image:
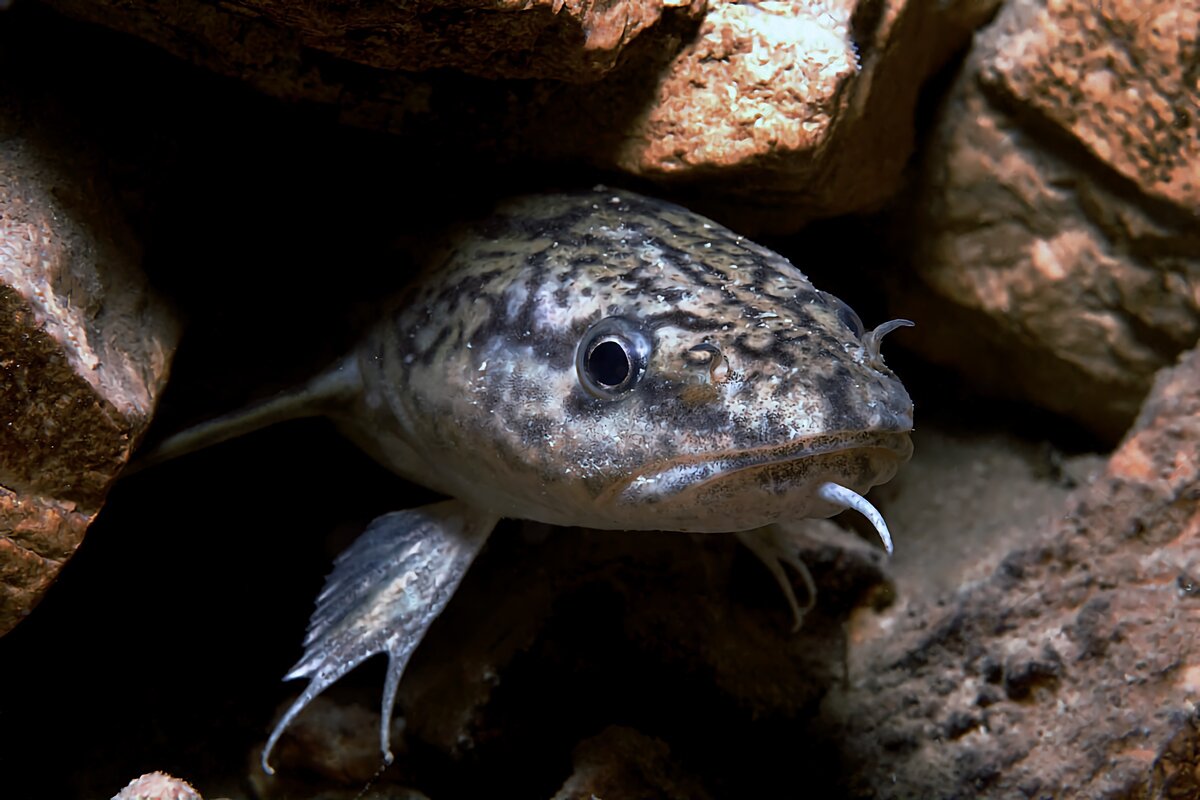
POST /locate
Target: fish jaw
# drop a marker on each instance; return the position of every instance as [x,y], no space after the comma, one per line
[748,489]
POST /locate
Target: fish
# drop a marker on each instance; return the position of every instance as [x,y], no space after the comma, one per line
[598,359]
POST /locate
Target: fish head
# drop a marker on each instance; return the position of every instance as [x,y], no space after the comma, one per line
[730,390]
[740,426]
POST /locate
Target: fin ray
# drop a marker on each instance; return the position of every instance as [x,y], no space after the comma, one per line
[385,591]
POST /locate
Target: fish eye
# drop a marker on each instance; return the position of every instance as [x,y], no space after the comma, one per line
[608,363]
[611,357]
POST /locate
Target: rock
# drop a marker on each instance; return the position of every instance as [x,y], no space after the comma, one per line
[621,762]
[576,41]
[337,742]
[1057,249]
[84,345]
[1116,77]
[1072,670]
[780,111]
[158,786]
[792,110]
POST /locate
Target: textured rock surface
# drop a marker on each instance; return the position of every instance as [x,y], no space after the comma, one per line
[1118,77]
[1071,671]
[782,111]
[158,786]
[794,110]
[84,347]
[572,40]
[1059,249]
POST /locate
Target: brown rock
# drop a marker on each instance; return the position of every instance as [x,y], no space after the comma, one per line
[794,110]
[84,348]
[571,40]
[1058,248]
[158,786]
[1117,78]
[1071,671]
[784,111]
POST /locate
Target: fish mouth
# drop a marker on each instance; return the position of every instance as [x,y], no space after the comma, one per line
[669,477]
[749,488]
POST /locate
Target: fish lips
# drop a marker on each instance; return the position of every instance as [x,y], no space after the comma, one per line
[744,489]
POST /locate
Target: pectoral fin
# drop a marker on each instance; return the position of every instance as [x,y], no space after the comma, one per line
[385,591]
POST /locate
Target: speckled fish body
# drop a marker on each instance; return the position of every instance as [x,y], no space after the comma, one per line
[595,359]
[751,388]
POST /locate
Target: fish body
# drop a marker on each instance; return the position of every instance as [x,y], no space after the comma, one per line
[595,359]
[741,385]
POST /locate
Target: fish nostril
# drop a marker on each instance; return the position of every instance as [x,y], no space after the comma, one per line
[703,353]
[707,354]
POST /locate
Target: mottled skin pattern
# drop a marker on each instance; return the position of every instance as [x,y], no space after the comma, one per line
[471,387]
[597,359]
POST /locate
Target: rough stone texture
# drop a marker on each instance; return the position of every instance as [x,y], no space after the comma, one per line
[1119,77]
[794,110]
[783,111]
[573,40]
[1071,671]
[158,786]
[695,607]
[84,347]
[1059,248]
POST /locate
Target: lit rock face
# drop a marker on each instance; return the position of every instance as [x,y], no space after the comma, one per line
[1059,257]
[84,348]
